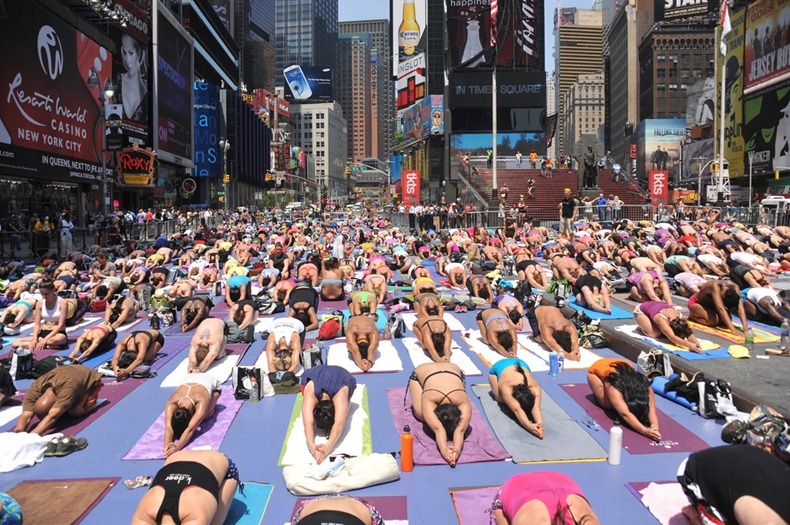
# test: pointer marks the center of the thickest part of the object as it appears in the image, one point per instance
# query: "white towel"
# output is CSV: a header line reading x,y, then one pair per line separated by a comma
x,y
128,327
22,449
263,363
221,370
9,414
476,344
665,502
82,324
387,358
452,322
588,357
418,356
264,324
350,442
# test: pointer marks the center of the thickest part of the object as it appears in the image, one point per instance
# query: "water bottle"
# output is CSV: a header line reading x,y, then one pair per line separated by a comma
x,y
615,443
560,362
749,336
406,450
255,394
155,322
784,344
554,364
590,422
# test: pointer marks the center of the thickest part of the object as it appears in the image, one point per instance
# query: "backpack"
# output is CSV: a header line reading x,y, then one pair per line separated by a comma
x,y
331,326
98,305
591,336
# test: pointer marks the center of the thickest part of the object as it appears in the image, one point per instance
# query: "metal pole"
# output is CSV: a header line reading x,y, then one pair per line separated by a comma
x,y
751,153
720,177
494,125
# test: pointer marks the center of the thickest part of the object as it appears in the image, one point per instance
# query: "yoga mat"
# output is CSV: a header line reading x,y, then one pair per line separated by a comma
x,y
560,430
760,335
452,322
479,445
249,508
10,413
355,439
617,312
708,346
60,501
675,438
220,307
220,369
664,499
419,356
489,356
473,505
387,358
86,321
586,360
381,322
659,386
133,325
173,346
331,306
393,509
208,435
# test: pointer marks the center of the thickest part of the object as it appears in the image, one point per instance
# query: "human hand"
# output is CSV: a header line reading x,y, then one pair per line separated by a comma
x,y
365,365
319,453
574,356
452,456
169,449
39,344
653,433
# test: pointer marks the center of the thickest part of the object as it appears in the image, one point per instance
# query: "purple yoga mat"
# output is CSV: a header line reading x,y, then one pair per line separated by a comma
x,y
238,349
209,434
480,443
390,507
110,394
220,307
330,306
473,505
675,438
173,346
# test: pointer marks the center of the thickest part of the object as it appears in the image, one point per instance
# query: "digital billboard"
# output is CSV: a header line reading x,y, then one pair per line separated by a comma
x,y
766,130
701,103
409,23
52,74
208,159
437,114
174,64
308,83
520,89
659,145
132,73
416,121
508,144
767,53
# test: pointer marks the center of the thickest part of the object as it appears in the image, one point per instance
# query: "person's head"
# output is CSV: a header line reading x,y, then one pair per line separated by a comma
x,y
179,421
190,314
505,339
201,352
114,316
44,403
483,293
364,346
514,316
449,415
8,318
432,309
324,415
282,360
680,327
126,359
46,286
524,396
563,338
635,388
132,55
731,298
438,342
238,316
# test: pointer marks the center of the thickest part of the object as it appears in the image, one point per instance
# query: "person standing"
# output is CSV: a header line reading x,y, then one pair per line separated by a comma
x,y
601,203
568,213
518,159
66,244
489,158
533,159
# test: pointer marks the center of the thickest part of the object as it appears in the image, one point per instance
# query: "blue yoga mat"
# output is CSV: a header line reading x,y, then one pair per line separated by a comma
x,y
248,508
381,323
617,313
659,387
721,353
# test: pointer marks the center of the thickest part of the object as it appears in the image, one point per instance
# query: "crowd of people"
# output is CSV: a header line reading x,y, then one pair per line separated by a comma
x,y
259,264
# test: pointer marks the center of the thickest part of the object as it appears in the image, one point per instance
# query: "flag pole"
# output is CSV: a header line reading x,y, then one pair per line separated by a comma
x,y
724,30
494,181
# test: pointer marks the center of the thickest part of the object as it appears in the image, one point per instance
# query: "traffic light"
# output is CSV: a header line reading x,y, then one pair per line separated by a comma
x,y
714,167
348,170
226,178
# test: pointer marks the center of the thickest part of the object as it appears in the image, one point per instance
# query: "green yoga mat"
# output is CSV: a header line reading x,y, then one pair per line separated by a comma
x,y
367,441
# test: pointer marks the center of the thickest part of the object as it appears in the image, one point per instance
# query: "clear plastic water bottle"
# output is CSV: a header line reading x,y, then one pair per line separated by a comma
x,y
784,344
560,361
590,422
749,336
554,364
255,394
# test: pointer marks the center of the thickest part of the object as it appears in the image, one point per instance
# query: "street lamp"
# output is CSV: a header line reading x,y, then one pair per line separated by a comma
x,y
105,95
224,146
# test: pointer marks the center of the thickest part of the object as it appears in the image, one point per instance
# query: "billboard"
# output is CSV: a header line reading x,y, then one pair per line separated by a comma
x,y
208,159
416,121
696,154
679,9
767,46
174,91
659,144
410,188
52,75
308,83
508,144
701,103
469,27
437,114
733,110
522,89
766,123
409,21
131,69
658,185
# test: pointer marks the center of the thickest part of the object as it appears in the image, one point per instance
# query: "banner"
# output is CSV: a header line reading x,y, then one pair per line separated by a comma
x,y
437,114
131,69
113,127
410,187
136,167
409,22
551,128
767,131
174,65
696,154
659,143
208,113
51,78
676,10
734,150
701,103
659,187
519,89
767,53
308,83
416,121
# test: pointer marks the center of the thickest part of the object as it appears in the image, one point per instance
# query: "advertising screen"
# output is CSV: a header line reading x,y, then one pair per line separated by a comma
x,y
409,22
174,66
514,90
661,140
679,9
508,144
52,74
208,160
307,83
766,130
733,86
767,51
410,187
131,69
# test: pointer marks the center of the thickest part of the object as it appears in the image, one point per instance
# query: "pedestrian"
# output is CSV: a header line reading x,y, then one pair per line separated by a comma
x,y
518,159
568,212
533,159
490,158
601,202
66,243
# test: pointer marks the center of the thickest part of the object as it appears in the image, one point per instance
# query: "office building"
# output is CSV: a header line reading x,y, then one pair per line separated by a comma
x,y
322,131
306,34
355,92
551,109
254,31
583,107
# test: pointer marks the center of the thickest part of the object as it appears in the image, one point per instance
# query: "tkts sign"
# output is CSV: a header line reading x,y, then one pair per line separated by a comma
x,y
659,187
410,180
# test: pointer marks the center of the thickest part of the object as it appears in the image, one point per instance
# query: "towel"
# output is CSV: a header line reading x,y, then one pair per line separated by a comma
x,y
82,324
263,363
588,357
22,449
387,358
490,356
10,413
452,322
473,504
760,335
209,434
220,369
60,500
355,440
632,330
664,499
419,356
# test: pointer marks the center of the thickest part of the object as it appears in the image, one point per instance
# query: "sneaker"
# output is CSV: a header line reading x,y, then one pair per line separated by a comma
x,y
66,445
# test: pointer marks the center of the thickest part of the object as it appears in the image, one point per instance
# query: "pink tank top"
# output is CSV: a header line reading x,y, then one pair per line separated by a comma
x,y
551,488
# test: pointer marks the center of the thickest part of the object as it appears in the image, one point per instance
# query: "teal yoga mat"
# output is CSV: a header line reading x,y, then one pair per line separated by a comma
x,y
249,508
617,313
381,323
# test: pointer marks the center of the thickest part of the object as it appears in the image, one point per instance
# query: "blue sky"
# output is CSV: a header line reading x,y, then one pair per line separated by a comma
x,y
373,9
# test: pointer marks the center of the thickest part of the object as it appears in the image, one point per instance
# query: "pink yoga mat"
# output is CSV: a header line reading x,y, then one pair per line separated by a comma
x,y
110,394
675,438
209,434
330,306
473,505
390,507
480,443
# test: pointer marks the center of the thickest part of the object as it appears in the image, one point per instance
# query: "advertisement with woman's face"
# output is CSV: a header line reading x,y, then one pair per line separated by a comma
x,y
131,78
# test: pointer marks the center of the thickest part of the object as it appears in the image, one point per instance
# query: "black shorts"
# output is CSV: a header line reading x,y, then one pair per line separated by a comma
x,y
590,281
533,322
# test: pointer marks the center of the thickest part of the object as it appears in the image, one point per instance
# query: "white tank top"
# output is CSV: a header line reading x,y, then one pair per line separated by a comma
x,y
50,316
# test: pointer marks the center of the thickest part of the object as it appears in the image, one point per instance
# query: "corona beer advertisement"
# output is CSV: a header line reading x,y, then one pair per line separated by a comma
x,y
409,22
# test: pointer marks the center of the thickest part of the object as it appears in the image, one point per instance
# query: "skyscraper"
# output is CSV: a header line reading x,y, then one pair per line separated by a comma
x,y
306,34
383,98
354,91
252,25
